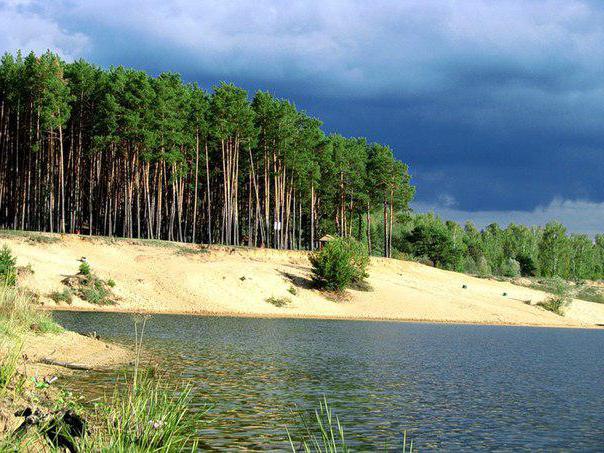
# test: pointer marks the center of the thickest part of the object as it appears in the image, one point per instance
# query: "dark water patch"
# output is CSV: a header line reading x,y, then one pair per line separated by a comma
x,y
450,386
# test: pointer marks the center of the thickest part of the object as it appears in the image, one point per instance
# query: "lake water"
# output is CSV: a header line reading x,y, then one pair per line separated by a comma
x,y
454,387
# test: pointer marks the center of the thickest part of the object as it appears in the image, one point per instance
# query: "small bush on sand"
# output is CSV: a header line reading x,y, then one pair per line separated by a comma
x,y
560,291
341,263
555,304
292,290
190,250
84,268
88,287
8,267
41,239
95,291
62,296
279,301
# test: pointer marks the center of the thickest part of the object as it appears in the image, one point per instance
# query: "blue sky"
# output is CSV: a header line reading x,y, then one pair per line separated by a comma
x,y
497,106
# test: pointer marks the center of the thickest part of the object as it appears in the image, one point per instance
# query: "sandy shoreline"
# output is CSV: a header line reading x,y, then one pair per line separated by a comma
x,y
70,348
164,277
309,316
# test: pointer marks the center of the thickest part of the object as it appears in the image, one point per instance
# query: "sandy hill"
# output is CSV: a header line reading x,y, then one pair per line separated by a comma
x,y
158,276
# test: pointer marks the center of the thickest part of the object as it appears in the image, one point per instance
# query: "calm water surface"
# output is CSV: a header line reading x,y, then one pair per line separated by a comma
x,y
454,387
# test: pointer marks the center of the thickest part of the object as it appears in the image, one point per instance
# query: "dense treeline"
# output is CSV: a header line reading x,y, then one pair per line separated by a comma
x,y
512,251
117,152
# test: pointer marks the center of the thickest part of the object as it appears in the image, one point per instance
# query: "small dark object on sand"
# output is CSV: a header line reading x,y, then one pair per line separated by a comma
x,y
464,286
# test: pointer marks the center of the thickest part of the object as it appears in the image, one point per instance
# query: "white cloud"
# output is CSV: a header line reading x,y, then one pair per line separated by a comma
x,y
578,216
479,62
400,47
25,29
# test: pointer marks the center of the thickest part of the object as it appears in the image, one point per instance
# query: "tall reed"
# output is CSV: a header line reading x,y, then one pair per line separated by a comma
x,y
324,433
145,413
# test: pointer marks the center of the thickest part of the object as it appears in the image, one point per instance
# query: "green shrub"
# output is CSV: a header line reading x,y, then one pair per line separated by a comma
x,y
483,269
561,294
340,264
111,283
292,290
555,304
62,296
469,266
8,267
510,268
181,250
95,292
279,301
84,268
90,288
41,239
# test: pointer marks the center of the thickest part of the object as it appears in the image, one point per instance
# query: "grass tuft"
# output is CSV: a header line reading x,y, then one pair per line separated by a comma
x,y
555,304
8,364
62,296
18,315
322,433
189,250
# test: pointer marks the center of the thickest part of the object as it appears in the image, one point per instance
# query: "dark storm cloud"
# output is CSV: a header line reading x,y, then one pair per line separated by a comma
x,y
496,106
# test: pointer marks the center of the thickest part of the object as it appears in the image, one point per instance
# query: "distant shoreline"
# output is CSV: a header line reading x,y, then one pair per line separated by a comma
x,y
208,314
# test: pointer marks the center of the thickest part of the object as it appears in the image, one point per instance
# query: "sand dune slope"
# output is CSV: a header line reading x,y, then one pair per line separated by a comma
x,y
168,277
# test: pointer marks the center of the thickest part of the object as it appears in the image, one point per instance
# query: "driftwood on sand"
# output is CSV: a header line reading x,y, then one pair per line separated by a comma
x,y
70,365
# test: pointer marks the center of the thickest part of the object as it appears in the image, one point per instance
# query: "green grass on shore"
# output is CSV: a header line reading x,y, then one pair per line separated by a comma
x,y
19,315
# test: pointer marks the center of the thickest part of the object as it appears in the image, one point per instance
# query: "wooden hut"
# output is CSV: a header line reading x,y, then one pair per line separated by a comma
x,y
324,240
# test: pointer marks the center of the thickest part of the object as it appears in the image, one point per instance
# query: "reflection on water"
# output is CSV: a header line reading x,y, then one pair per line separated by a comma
x,y
449,386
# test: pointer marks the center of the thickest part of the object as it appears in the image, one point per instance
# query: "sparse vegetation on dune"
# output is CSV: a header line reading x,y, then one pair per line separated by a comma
x,y
62,296
88,287
279,301
561,294
590,293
